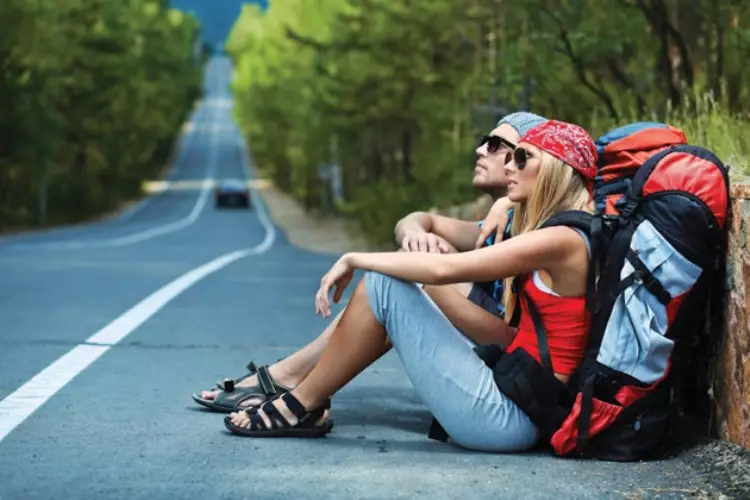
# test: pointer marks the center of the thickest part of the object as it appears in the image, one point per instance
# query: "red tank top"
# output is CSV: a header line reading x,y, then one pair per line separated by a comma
x,y
566,321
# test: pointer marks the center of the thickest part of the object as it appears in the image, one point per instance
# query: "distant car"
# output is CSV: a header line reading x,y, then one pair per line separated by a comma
x,y
232,193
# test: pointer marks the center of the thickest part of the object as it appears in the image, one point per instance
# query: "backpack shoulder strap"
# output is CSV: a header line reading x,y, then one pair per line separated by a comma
x,y
577,219
591,226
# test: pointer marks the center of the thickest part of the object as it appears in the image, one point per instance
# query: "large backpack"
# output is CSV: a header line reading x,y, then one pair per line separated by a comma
x,y
659,239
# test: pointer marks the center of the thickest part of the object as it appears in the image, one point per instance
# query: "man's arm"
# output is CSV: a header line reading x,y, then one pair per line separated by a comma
x,y
477,324
461,235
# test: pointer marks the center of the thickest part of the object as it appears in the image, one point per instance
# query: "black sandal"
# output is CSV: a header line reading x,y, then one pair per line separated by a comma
x,y
252,369
230,398
306,427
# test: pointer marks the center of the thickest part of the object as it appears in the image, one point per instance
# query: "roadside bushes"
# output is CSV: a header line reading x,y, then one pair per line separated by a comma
x,y
396,93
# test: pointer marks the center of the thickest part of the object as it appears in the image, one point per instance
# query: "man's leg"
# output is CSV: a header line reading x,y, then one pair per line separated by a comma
x,y
290,371
358,337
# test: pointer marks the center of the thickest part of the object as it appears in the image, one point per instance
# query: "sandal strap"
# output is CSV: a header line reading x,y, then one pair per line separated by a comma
x,y
267,384
278,421
228,384
257,423
299,411
235,398
305,419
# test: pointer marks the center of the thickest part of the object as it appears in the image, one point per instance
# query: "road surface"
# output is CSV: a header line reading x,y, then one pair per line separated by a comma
x,y
108,328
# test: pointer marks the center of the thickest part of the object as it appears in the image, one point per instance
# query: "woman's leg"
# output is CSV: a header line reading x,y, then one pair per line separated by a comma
x,y
454,383
290,371
345,356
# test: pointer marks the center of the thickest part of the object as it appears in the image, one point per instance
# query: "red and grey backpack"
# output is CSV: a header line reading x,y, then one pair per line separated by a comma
x,y
659,234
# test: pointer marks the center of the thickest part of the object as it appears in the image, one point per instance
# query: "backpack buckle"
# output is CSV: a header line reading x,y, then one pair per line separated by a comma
x,y
630,207
610,221
647,279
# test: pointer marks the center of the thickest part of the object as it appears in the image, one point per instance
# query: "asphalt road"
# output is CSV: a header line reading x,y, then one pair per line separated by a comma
x,y
108,328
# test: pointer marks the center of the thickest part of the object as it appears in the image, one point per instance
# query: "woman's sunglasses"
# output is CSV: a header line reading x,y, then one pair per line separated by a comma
x,y
494,143
520,157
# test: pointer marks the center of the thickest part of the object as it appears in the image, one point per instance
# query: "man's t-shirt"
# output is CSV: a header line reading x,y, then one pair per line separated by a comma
x,y
495,289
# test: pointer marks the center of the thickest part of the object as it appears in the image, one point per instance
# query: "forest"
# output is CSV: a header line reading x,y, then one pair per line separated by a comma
x,y
396,94
94,95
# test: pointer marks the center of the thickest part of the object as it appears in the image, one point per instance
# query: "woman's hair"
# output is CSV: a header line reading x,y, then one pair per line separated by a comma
x,y
558,188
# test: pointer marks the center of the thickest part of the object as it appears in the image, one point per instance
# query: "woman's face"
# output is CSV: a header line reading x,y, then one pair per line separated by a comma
x,y
523,171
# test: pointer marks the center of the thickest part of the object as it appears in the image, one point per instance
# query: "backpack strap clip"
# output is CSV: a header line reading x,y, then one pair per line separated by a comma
x,y
641,273
629,208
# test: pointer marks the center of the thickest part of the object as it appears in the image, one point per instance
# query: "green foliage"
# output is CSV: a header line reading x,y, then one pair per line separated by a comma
x,y
96,91
405,88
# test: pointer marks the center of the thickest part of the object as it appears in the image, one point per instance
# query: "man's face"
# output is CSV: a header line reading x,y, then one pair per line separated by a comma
x,y
489,171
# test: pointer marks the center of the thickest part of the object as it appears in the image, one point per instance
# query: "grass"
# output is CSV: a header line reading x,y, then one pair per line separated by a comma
x,y
706,123
714,128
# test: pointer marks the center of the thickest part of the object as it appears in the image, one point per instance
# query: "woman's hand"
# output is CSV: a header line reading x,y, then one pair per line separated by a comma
x,y
495,222
340,275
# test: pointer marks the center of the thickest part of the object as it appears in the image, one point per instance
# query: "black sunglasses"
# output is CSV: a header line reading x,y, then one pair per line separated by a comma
x,y
520,157
494,143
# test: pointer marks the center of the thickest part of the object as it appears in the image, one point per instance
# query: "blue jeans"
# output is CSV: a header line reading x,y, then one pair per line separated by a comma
x,y
448,376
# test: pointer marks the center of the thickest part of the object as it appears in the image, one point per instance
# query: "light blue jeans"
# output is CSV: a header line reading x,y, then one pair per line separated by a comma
x,y
448,376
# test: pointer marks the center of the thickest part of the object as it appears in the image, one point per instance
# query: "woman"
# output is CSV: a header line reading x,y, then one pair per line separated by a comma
x,y
479,318
552,170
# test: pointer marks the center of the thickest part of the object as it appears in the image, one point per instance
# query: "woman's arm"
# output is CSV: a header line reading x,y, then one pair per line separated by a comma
x,y
548,249
551,249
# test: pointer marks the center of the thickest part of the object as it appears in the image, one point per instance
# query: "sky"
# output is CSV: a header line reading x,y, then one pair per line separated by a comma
x,y
216,16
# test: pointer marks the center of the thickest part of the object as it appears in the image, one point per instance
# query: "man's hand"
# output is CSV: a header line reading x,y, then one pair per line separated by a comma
x,y
495,222
457,235
419,241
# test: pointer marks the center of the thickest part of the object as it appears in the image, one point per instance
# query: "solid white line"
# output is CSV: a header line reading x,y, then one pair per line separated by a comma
x,y
200,203
19,405
28,398
257,201
177,225
185,145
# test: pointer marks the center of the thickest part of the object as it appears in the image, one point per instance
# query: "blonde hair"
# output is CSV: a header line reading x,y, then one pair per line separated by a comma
x,y
558,188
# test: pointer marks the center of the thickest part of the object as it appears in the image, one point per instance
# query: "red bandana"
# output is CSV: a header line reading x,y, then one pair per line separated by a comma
x,y
566,142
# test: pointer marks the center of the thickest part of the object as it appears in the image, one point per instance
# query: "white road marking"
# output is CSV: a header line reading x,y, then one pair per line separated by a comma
x,y
200,202
257,201
28,398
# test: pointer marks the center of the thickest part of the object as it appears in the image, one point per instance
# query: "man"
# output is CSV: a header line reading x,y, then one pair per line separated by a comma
x,y
426,232
481,314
